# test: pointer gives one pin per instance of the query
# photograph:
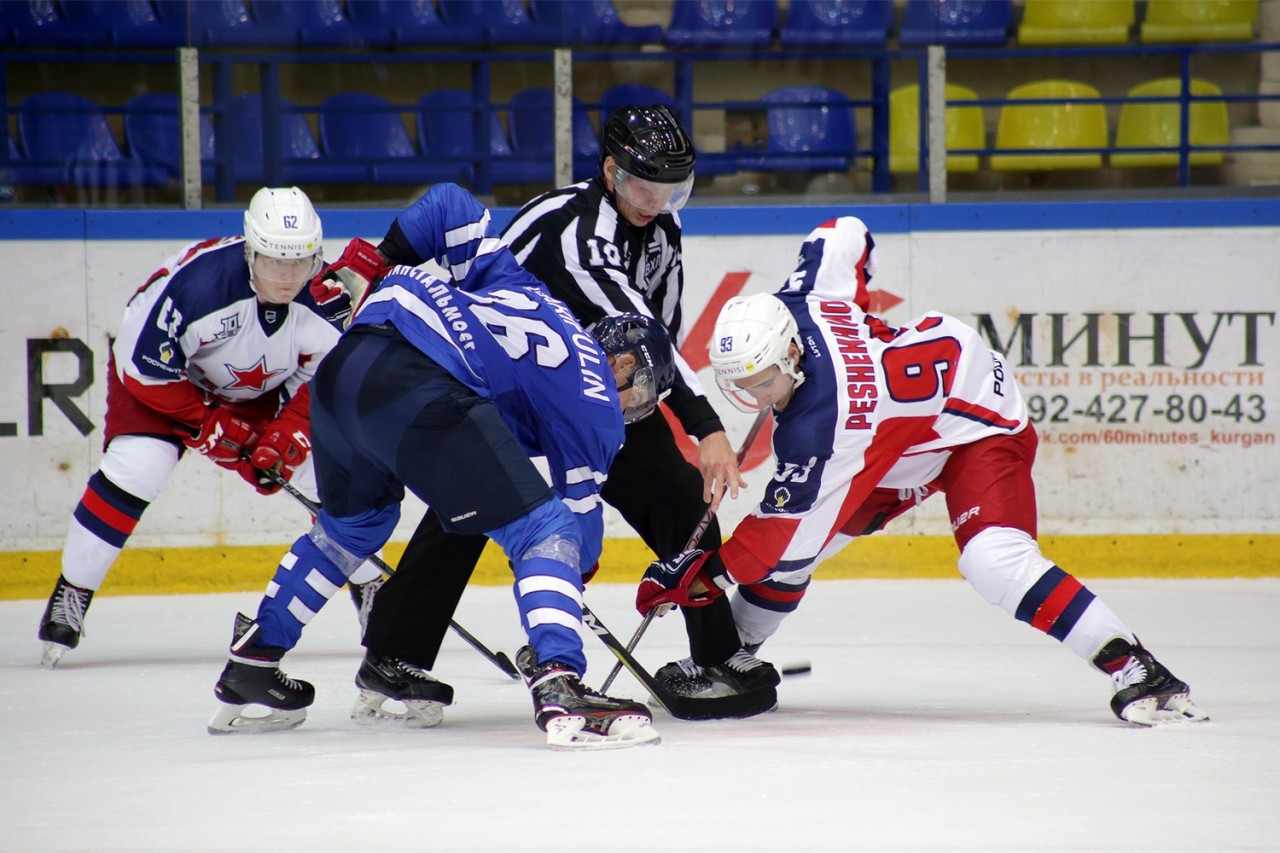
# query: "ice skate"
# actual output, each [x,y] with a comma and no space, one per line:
[576,717]
[62,625]
[742,672]
[1147,694]
[362,595]
[385,680]
[252,677]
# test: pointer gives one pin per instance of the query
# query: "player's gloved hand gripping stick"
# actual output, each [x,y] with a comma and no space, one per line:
[756,426]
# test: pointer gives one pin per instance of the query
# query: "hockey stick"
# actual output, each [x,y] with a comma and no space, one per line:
[756,426]
[737,705]
[498,659]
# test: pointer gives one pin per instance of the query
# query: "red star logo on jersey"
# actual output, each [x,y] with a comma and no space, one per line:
[254,377]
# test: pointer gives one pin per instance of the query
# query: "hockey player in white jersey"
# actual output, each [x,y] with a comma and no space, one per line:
[871,420]
[214,354]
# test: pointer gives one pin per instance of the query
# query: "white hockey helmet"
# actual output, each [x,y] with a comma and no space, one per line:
[281,223]
[753,334]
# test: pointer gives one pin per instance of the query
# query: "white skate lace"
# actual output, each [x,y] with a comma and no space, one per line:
[689,668]
[285,680]
[742,661]
[414,671]
[1131,673]
[69,607]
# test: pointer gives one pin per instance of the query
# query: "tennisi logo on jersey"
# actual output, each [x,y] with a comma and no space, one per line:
[859,372]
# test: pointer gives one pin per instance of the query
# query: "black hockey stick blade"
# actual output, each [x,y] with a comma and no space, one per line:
[736,706]
[498,659]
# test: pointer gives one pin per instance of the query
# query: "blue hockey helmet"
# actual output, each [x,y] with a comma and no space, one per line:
[646,340]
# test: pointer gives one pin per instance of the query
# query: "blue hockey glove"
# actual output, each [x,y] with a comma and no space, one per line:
[670,581]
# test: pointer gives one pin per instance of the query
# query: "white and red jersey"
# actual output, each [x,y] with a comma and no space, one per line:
[880,406]
[196,327]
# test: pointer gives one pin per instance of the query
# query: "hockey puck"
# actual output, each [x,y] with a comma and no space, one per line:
[797,669]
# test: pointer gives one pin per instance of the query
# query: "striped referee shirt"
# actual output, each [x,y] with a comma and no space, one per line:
[577,243]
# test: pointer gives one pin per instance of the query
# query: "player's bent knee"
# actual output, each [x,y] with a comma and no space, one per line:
[1002,563]
[549,529]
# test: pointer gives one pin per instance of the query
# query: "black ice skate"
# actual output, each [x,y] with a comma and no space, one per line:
[1147,694]
[362,595]
[383,679]
[741,673]
[576,717]
[252,676]
[62,625]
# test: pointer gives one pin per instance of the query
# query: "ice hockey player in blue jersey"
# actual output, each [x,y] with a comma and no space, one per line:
[447,387]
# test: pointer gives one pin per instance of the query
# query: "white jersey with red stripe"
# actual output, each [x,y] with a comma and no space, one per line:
[197,324]
[880,406]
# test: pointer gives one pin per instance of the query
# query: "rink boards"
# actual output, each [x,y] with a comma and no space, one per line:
[1143,335]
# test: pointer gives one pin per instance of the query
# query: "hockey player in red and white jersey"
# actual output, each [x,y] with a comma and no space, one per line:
[870,420]
[214,355]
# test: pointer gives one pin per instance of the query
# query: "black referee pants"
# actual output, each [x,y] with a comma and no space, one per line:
[650,483]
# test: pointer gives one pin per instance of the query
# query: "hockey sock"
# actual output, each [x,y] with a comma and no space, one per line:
[549,596]
[1054,604]
[759,608]
[304,581]
[100,527]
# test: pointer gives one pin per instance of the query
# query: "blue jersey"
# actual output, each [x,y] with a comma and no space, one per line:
[504,337]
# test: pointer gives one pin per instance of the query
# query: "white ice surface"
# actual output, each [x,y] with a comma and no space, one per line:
[931,721]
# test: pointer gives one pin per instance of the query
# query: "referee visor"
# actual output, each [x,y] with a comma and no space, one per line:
[651,197]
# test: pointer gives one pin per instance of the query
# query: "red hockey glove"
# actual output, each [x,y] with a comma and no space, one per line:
[342,284]
[668,581]
[223,437]
[286,441]
[591,572]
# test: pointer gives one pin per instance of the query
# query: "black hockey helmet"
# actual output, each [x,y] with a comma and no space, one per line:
[649,143]
[647,340]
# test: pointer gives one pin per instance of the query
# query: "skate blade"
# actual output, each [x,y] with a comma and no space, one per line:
[51,654]
[569,733]
[232,719]
[1163,711]
[372,708]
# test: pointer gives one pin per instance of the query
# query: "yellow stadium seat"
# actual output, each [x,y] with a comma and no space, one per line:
[1158,125]
[1198,20]
[965,129]
[1051,127]
[1076,22]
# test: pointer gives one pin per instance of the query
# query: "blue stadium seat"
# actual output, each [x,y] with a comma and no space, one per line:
[532,133]
[68,137]
[815,23]
[361,128]
[446,132]
[127,23]
[591,22]
[17,171]
[152,133]
[970,22]
[721,23]
[317,23]
[302,161]
[810,130]
[409,24]
[499,21]
[43,23]
[222,23]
